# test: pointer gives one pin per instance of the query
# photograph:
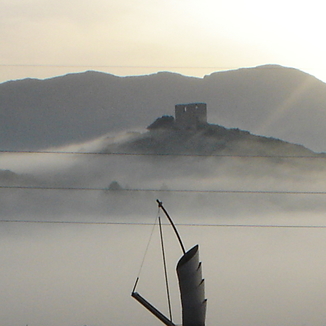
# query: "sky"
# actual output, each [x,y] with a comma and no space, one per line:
[46,38]
[82,274]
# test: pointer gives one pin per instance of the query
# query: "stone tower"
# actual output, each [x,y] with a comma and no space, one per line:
[190,116]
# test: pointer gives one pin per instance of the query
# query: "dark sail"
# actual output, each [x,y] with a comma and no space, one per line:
[192,289]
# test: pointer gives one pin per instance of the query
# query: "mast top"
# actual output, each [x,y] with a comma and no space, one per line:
[160,205]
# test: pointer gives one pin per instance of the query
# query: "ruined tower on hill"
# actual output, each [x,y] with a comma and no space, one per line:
[190,116]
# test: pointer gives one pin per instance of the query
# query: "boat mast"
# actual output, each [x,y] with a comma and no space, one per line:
[160,205]
[142,300]
[191,285]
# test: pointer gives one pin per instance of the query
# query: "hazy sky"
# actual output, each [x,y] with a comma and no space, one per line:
[74,275]
[44,38]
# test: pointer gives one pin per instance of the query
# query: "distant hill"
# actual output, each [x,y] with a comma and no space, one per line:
[269,100]
[7,177]
[208,140]
[185,167]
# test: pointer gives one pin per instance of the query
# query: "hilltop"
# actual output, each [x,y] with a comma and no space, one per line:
[189,133]
[274,101]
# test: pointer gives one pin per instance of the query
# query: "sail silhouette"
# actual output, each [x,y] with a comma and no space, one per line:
[191,286]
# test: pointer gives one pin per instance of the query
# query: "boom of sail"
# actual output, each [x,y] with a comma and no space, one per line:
[191,286]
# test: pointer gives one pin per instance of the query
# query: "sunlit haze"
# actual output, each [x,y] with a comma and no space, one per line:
[77,211]
[46,38]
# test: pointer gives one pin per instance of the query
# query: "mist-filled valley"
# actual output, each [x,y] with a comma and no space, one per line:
[76,222]
[121,176]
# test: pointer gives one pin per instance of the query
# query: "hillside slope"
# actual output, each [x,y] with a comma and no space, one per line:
[269,100]
[208,140]
[122,174]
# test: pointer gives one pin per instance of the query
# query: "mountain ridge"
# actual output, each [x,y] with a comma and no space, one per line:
[274,101]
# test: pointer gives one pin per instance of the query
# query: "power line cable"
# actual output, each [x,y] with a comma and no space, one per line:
[266,67]
[121,66]
[217,191]
[178,224]
[317,156]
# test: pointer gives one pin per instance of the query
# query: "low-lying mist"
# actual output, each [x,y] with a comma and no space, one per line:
[86,181]
[266,269]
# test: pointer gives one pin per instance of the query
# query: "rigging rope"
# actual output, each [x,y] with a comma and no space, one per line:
[165,269]
[146,251]
[158,218]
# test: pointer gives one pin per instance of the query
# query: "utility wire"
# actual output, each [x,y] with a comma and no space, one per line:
[136,66]
[115,66]
[317,156]
[165,224]
[268,192]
